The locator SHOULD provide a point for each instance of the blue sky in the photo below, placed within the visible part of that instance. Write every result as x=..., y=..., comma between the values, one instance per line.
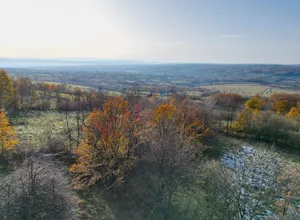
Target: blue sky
x=211, y=31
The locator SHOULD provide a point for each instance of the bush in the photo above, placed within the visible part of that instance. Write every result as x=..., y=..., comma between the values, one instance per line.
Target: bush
x=36, y=190
x=271, y=127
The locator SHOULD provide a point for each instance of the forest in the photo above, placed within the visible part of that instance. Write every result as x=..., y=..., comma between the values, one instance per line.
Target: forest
x=69, y=152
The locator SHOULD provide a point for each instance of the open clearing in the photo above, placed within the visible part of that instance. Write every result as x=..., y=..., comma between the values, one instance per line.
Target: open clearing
x=248, y=89
x=34, y=127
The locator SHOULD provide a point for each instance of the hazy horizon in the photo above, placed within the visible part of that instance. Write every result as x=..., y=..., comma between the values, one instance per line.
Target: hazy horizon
x=126, y=61
x=177, y=31
x=134, y=61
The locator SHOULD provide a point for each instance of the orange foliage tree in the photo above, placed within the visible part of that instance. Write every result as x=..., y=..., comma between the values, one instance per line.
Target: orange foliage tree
x=7, y=133
x=193, y=123
x=163, y=112
x=187, y=117
x=107, y=151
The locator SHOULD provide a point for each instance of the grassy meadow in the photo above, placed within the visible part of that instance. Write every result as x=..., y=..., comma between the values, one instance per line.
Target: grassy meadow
x=35, y=127
x=248, y=89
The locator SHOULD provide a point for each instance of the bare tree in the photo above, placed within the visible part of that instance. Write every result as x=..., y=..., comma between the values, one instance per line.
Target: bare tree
x=170, y=159
x=36, y=190
x=68, y=131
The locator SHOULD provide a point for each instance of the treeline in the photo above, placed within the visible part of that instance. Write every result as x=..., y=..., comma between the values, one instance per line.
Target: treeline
x=273, y=119
x=23, y=94
x=152, y=152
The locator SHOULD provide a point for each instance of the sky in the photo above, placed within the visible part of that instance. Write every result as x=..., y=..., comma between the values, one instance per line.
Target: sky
x=205, y=31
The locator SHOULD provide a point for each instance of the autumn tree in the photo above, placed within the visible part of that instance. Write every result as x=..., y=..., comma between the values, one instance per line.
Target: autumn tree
x=7, y=133
x=293, y=117
x=6, y=90
x=281, y=106
x=254, y=103
x=283, y=102
x=189, y=117
x=294, y=113
x=244, y=119
x=250, y=113
x=194, y=121
x=107, y=152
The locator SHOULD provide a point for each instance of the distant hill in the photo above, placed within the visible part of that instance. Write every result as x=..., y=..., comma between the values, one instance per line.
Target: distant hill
x=145, y=67
x=64, y=62
x=96, y=72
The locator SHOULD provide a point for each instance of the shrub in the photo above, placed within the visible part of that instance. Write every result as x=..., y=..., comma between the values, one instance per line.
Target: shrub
x=36, y=190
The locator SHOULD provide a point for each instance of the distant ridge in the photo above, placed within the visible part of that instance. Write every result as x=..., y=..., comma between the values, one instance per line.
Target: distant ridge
x=20, y=62
x=52, y=62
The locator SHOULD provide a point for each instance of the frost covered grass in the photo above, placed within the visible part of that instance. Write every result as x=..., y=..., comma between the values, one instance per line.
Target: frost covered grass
x=223, y=144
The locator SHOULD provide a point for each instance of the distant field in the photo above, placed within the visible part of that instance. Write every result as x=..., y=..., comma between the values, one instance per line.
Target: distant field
x=73, y=86
x=248, y=89
x=84, y=88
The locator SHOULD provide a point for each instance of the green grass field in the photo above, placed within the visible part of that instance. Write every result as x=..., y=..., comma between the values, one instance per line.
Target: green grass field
x=72, y=86
x=34, y=126
x=248, y=89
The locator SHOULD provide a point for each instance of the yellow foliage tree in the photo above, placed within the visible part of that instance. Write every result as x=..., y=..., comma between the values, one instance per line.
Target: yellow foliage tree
x=163, y=112
x=250, y=113
x=7, y=133
x=255, y=103
x=294, y=113
x=281, y=106
x=244, y=119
